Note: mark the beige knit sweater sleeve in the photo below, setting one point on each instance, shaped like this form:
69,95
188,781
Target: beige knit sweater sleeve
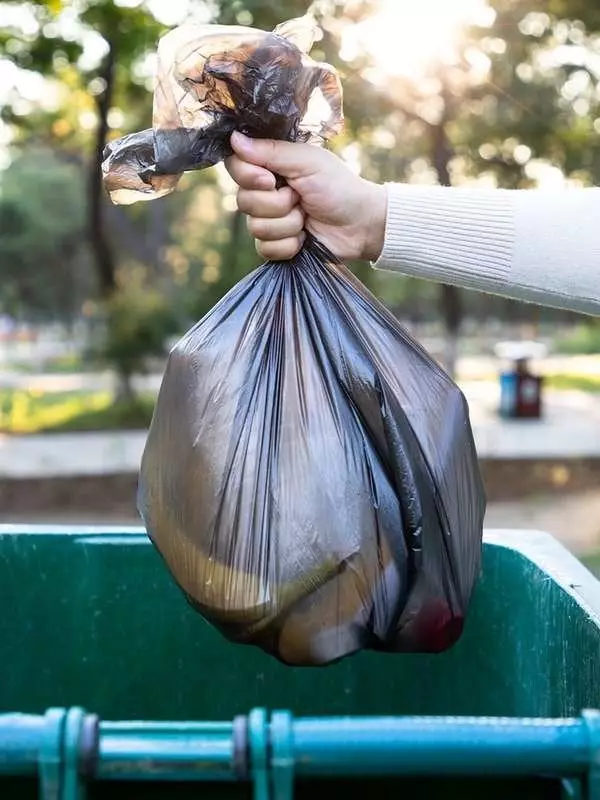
535,245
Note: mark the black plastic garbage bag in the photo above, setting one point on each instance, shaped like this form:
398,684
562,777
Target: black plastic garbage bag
310,476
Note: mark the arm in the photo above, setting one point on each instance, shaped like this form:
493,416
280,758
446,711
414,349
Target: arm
533,245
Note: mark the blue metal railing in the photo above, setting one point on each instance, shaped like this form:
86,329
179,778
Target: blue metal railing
68,749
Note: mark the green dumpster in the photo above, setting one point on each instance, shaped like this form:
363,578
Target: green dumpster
111,686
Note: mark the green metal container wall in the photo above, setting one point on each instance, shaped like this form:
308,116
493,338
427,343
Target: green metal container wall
92,618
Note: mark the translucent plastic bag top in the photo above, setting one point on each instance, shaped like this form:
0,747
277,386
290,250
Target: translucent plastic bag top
212,80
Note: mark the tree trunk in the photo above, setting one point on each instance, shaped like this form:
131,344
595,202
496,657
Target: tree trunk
157,235
124,391
450,301
450,304
101,250
128,237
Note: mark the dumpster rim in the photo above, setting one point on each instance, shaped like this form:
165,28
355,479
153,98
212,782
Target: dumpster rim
552,558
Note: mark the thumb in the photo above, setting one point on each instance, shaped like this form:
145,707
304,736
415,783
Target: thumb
288,159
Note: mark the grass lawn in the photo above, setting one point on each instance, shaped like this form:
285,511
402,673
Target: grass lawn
582,383
34,412
63,365
559,381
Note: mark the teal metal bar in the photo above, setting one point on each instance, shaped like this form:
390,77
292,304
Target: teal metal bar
281,749
21,736
170,751
440,746
355,746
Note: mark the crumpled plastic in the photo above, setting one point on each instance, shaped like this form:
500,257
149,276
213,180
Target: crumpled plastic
215,79
310,476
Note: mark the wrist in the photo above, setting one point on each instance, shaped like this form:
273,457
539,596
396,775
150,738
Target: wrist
375,210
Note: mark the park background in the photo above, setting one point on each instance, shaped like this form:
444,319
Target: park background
457,92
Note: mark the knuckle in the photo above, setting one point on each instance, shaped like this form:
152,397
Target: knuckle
282,204
282,250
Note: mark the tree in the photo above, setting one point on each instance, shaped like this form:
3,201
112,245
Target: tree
450,127
45,263
139,321
540,100
111,88
520,93
123,34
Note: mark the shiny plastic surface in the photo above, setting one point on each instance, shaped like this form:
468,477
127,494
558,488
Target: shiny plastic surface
310,476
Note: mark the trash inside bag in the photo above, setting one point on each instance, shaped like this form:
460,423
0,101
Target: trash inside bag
310,476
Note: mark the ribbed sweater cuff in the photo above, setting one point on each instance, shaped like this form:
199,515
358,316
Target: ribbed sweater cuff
455,235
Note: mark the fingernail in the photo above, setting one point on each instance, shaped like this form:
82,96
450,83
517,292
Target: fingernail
240,139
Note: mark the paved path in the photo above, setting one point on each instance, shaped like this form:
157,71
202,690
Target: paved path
60,455
469,368
573,519
571,429
73,382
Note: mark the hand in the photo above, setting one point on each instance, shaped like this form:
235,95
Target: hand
345,212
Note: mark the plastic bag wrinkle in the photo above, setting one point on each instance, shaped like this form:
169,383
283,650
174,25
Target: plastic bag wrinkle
310,477
341,539
212,80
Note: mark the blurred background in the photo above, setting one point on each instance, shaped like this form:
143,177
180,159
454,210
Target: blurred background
462,92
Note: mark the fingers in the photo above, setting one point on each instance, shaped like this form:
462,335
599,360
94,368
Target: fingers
282,250
278,239
276,203
275,218
271,230
290,159
249,176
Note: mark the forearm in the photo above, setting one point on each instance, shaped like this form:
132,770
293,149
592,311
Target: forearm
532,245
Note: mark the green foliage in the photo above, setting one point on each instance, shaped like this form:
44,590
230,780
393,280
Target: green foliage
119,414
551,109
583,340
259,13
45,268
138,323
24,412
592,562
199,255
127,33
568,382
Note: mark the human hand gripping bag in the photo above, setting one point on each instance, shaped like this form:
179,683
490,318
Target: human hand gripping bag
310,476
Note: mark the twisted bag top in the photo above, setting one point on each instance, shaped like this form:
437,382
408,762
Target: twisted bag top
310,476
212,80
